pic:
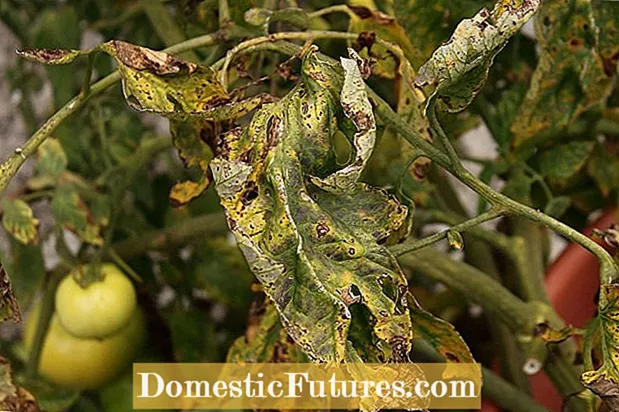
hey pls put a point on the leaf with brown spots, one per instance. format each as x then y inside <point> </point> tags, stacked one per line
<point>19,221</point>
<point>605,380</point>
<point>12,397</point>
<point>458,68</point>
<point>570,75</point>
<point>9,309</point>
<point>157,82</point>
<point>50,56</point>
<point>315,252</point>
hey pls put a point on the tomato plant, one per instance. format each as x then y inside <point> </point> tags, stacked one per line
<point>290,160</point>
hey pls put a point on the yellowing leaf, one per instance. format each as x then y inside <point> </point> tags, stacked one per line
<point>605,380</point>
<point>19,221</point>
<point>9,309</point>
<point>316,253</point>
<point>570,76</point>
<point>457,69</point>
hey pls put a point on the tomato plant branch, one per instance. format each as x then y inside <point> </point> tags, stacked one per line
<point>45,317</point>
<point>9,168</point>
<point>608,269</point>
<point>172,236</point>
<point>338,8</point>
<point>411,246</point>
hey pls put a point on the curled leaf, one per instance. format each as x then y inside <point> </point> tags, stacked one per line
<point>19,221</point>
<point>13,397</point>
<point>458,68</point>
<point>9,309</point>
<point>357,108</point>
<point>315,253</point>
<point>50,56</point>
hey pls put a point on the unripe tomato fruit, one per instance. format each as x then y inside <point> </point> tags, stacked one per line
<point>82,364</point>
<point>100,309</point>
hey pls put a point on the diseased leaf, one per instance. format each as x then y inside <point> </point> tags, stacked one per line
<point>189,138</point>
<point>457,69</point>
<point>565,160</point>
<point>9,309</point>
<point>13,397</point>
<point>357,108</point>
<point>157,82</point>
<point>440,334</point>
<point>265,339</point>
<point>315,252</point>
<point>606,15</point>
<point>569,77</point>
<point>50,397</point>
<point>50,56</point>
<point>71,212</point>
<point>52,158</point>
<point>605,380</point>
<point>19,221</point>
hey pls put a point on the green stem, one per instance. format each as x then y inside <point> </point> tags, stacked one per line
<point>476,285</point>
<point>224,14</point>
<point>45,317</point>
<point>608,268</point>
<point>417,244</point>
<point>339,8</point>
<point>9,168</point>
<point>172,236</point>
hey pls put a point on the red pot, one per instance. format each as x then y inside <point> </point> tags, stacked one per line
<point>572,282</point>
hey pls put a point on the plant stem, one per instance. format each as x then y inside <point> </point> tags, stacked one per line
<point>608,268</point>
<point>167,238</point>
<point>45,317</point>
<point>9,168</point>
<point>300,35</point>
<point>224,14</point>
<point>416,244</point>
<point>338,8</point>
<point>476,285</point>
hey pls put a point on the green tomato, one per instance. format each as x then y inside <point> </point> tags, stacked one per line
<point>83,364</point>
<point>100,309</point>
